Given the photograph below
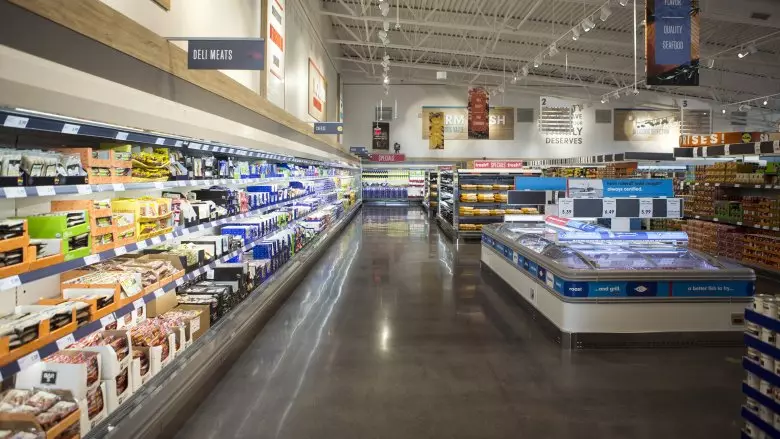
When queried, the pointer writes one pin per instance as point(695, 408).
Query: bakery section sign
point(318, 93)
point(501, 122)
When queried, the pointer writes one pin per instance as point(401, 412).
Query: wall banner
point(672, 42)
point(318, 92)
point(713, 139)
point(478, 104)
point(380, 135)
point(645, 125)
point(435, 130)
point(275, 39)
point(501, 122)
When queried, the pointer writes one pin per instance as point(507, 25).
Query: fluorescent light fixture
point(605, 12)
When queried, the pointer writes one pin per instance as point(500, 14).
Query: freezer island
point(594, 287)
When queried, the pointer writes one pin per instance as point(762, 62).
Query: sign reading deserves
point(226, 54)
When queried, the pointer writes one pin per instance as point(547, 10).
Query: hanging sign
point(540, 184)
point(501, 122)
point(672, 42)
point(693, 140)
point(478, 127)
point(226, 54)
point(619, 188)
point(380, 136)
point(497, 164)
point(386, 158)
point(436, 130)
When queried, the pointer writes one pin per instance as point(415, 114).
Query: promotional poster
point(501, 122)
point(435, 130)
point(645, 125)
point(672, 47)
point(318, 90)
point(478, 106)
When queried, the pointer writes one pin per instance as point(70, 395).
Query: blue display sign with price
point(328, 128)
point(644, 188)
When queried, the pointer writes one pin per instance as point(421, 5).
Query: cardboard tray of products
point(28, 422)
point(45, 336)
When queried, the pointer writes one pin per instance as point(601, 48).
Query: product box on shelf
point(93, 408)
point(76, 371)
point(71, 227)
point(198, 326)
point(162, 304)
point(31, 327)
point(114, 347)
point(140, 371)
point(58, 413)
point(118, 389)
point(97, 163)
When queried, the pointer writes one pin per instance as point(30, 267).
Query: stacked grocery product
point(393, 184)
point(761, 411)
point(33, 167)
point(39, 414)
point(574, 172)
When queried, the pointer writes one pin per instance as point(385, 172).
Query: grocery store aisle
point(397, 334)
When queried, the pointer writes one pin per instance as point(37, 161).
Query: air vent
point(738, 118)
point(383, 113)
point(525, 115)
point(760, 16)
point(603, 116)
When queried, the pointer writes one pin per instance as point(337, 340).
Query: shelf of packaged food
point(51, 270)
point(86, 189)
point(14, 366)
point(471, 219)
point(731, 222)
point(50, 123)
point(734, 185)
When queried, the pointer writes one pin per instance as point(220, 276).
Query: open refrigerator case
point(431, 193)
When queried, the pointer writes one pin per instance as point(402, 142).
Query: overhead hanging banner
point(435, 130)
point(226, 54)
point(501, 122)
point(672, 42)
point(479, 100)
point(275, 50)
point(318, 91)
point(380, 135)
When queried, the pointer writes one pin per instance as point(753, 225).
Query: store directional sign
point(226, 54)
point(328, 127)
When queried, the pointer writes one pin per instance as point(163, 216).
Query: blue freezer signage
point(644, 188)
point(540, 184)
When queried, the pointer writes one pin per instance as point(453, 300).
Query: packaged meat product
point(72, 432)
point(27, 435)
point(95, 402)
point(118, 342)
point(16, 396)
point(64, 408)
point(48, 420)
point(26, 409)
point(4, 408)
point(144, 361)
point(43, 400)
point(79, 357)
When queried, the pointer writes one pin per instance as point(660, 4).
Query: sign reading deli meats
point(694, 140)
point(497, 164)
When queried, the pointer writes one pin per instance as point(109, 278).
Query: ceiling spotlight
point(604, 99)
point(743, 53)
point(744, 107)
point(386, 58)
point(553, 50)
point(537, 61)
point(752, 48)
point(501, 88)
point(386, 25)
point(514, 80)
point(723, 111)
point(384, 8)
point(575, 34)
point(616, 94)
point(765, 102)
point(382, 34)
point(525, 70)
point(635, 91)
point(386, 80)
point(623, 2)
point(588, 24)
point(605, 12)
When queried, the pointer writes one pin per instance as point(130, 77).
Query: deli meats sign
point(226, 54)
point(494, 164)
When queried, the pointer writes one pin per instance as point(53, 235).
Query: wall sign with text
point(226, 54)
point(275, 47)
point(501, 123)
point(380, 136)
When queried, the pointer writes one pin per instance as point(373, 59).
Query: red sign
point(492, 164)
point(385, 158)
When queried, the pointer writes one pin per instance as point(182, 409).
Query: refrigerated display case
point(599, 286)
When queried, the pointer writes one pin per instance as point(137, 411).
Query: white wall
point(360, 100)
point(199, 18)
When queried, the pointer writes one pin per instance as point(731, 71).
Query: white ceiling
point(486, 42)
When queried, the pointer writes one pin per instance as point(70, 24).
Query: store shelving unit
point(392, 186)
point(478, 197)
point(325, 195)
point(431, 193)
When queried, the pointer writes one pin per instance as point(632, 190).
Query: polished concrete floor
point(398, 334)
